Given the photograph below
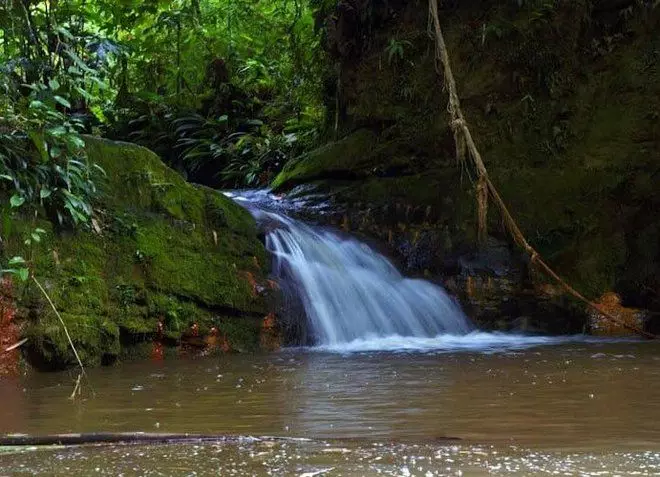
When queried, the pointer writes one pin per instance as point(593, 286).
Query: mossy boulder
point(346, 158)
point(159, 251)
point(359, 155)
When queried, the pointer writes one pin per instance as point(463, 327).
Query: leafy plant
point(42, 159)
point(191, 79)
point(395, 49)
point(17, 266)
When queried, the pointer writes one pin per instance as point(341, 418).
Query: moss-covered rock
point(160, 250)
point(347, 158)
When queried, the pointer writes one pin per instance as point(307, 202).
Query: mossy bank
point(160, 256)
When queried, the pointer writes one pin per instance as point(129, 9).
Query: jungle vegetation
point(222, 90)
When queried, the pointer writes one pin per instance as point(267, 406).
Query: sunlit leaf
point(62, 101)
point(16, 200)
point(16, 261)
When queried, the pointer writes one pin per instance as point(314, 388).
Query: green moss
point(187, 262)
point(161, 249)
point(243, 335)
point(178, 315)
point(342, 158)
point(96, 339)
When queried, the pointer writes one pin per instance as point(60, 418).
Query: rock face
point(562, 99)
point(164, 258)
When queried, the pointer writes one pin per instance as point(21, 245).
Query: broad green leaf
point(75, 141)
point(54, 84)
point(65, 33)
point(16, 200)
point(45, 193)
point(39, 142)
point(62, 101)
point(16, 261)
point(24, 274)
point(57, 131)
point(83, 92)
point(55, 152)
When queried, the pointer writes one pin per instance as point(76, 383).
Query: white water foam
point(477, 341)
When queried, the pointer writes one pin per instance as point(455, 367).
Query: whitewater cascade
point(349, 291)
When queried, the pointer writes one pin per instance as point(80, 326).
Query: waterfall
point(350, 292)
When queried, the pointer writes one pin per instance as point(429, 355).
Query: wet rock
point(629, 319)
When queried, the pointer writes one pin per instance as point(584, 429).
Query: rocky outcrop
point(562, 98)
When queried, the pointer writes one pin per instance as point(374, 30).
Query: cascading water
point(351, 293)
point(356, 300)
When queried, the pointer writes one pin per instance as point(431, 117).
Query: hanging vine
point(466, 149)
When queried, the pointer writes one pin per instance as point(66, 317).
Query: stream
point(394, 380)
point(588, 408)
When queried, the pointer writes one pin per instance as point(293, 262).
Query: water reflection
point(376, 397)
point(570, 396)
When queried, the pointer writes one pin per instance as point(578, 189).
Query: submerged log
point(112, 438)
point(127, 438)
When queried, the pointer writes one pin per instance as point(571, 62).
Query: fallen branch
point(160, 438)
point(485, 188)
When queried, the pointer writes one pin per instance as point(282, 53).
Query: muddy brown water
point(569, 409)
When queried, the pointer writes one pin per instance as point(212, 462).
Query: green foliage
point(234, 150)
point(43, 165)
point(151, 66)
point(18, 267)
point(51, 73)
point(238, 66)
point(395, 49)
